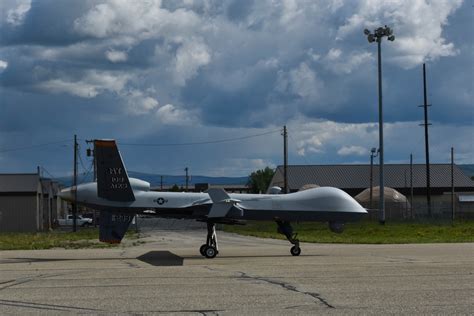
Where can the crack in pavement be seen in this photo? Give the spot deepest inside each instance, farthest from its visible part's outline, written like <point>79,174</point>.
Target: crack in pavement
<point>288,287</point>
<point>45,306</point>
<point>131,264</point>
<point>284,285</point>
<point>31,279</point>
<point>204,312</point>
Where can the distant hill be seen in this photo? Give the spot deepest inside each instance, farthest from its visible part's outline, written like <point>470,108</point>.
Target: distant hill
<point>180,180</point>
<point>468,170</point>
<point>168,180</point>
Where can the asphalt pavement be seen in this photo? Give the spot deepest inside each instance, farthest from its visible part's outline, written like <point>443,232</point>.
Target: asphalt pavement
<point>250,276</point>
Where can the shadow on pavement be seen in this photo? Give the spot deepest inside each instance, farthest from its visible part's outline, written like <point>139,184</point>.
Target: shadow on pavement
<point>161,258</point>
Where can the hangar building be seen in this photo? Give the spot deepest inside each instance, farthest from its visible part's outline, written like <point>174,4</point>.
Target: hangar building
<point>28,202</point>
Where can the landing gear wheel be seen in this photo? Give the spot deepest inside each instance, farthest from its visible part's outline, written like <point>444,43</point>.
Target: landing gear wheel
<point>284,228</point>
<point>295,250</point>
<point>210,252</point>
<point>202,250</point>
<point>210,248</point>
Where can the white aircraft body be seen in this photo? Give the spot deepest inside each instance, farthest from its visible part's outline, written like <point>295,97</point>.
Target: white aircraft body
<point>119,198</point>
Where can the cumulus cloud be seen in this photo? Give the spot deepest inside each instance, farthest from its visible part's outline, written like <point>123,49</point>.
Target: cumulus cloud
<point>301,81</point>
<point>340,63</point>
<point>142,20</point>
<point>319,137</point>
<point>16,11</point>
<point>352,150</point>
<point>323,139</point>
<point>190,56</point>
<point>3,65</point>
<point>89,85</point>
<point>418,27</point>
<point>170,114</point>
<point>139,102</point>
<point>237,67</point>
<point>116,56</point>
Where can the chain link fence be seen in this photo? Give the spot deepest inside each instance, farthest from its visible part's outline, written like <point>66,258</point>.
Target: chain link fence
<point>439,211</point>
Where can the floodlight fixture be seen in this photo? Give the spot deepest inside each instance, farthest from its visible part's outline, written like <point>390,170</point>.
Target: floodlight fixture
<point>373,150</point>
<point>366,32</point>
<point>391,38</point>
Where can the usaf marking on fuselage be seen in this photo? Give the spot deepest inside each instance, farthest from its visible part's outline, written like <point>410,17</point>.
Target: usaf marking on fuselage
<point>160,201</point>
<point>119,198</point>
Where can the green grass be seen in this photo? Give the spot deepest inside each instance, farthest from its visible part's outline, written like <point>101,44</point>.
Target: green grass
<point>83,238</point>
<point>366,232</point>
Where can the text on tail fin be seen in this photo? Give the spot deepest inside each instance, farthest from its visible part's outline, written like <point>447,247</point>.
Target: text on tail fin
<point>112,178</point>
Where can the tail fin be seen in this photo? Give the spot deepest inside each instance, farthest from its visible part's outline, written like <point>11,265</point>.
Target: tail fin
<point>113,226</point>
<point>112,179</point>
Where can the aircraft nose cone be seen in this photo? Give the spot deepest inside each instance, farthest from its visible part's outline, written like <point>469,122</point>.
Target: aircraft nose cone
<point>66,194</point>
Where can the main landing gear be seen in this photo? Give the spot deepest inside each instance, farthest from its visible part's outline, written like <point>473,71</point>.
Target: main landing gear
<point>210,248</point>
<point>285,228</point>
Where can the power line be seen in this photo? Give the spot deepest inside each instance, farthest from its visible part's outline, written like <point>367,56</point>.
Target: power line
<point>202,143</point>
<point>149,144</point>
<point>49,173</point>
<point>80,158</point>
<point>32,146</point>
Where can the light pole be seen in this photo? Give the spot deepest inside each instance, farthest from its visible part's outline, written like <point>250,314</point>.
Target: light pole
<point>373,153</point>
<point>377,36</point>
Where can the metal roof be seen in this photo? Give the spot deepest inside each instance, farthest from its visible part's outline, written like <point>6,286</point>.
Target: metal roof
<point>358,176</point>
<point>23,182</point>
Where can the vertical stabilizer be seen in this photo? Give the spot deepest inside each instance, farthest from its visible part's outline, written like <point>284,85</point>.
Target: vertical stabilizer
<point>113,226</point>
<point>112,179</point>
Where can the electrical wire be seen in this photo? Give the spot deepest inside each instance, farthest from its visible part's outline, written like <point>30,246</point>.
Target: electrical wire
<point>80,157</point>
<point>33,146</point>
<point>86,170</point>
<point>204,142</point>
<point>49,173</point>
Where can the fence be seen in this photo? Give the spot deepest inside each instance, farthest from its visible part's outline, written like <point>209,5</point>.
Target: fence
<point>419,211</point>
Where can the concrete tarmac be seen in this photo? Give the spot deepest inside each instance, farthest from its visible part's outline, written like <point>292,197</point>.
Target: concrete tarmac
<point>250,276</point>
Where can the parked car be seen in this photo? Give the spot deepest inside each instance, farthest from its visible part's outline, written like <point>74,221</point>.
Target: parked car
<point>80,221</point>
<point>94,216</point>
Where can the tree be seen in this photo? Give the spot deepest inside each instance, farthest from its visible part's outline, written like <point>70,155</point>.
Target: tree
<point>174,188</point>
<point>260,180</point>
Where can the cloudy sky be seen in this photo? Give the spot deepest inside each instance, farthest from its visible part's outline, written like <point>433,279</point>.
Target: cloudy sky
<point>187,74</point>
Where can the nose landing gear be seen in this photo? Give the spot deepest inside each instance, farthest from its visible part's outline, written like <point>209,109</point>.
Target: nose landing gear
<point>285,228</point>
<point>210,248</point>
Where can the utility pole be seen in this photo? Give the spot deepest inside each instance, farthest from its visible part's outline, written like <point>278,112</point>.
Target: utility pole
<point>161,183</point>
<point>427,148</point>
<point>411,185</point>
<point>187,178</point>
<point>285,159</point>
<point>74,185</point>
<point>452,185</point>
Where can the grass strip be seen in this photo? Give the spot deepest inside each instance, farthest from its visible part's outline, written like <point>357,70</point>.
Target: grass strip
<point>366,232</point>
<point>83,238</point>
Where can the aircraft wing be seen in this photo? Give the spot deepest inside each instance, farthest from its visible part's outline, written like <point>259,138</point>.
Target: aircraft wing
<point>222,203</point>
